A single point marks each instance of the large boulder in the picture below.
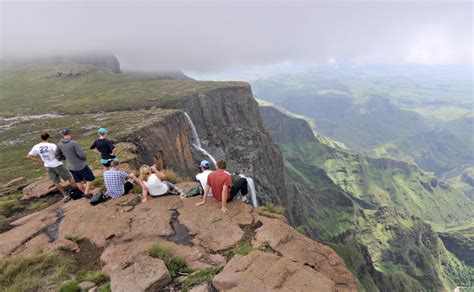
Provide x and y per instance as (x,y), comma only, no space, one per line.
(144,274)
(259,271)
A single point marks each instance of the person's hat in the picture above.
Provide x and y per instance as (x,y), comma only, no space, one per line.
(66,132)
(102,131)
(204,164)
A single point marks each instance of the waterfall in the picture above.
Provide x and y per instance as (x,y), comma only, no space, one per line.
(251,189)
(196,142)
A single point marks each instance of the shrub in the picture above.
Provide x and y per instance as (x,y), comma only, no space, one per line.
(172,177)
(175,265)
(199,277)
(105,288)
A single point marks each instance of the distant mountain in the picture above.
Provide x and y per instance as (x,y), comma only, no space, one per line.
(424,121)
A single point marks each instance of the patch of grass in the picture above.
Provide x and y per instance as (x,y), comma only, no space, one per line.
(243,247)
(175,265)
(99,182)
(97,277)
(172,177)
(271,211)
(105,288)
(70,286)
(199,277)
(72,238)
(21,273)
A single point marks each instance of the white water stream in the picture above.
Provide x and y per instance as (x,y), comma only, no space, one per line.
(196,142)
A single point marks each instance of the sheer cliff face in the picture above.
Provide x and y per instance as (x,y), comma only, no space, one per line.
(228,123)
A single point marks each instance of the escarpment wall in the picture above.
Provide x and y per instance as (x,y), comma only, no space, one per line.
(229,125)
(165,137)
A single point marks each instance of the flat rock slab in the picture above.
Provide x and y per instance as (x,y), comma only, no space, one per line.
(16,182)
(38,189)
(259,271)
(213,229)
(293,245)
(144,274)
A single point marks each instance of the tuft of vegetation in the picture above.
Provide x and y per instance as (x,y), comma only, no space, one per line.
(199,277)
(172,176)
(70,286)
(105,288)
(271,211)
(21,273)
(97,277)
(72,238)
(175,265)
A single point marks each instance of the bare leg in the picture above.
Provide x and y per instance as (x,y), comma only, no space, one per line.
(88,187)
(72,183)
(60,188)
(80,186)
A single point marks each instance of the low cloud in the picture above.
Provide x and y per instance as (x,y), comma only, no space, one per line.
(209,36)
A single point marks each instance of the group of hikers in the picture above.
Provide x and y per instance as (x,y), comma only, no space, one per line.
(218,183)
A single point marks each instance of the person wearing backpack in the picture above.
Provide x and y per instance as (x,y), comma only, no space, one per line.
(76,160)
(44,153)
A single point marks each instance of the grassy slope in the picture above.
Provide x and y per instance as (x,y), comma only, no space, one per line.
(404,250)
(386,182)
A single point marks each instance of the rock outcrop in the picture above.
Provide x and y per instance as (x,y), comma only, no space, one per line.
(282,258)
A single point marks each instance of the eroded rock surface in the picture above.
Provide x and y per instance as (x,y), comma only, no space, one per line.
(37,189)
(125,232)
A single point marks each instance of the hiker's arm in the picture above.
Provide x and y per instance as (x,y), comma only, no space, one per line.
(34,158)
(206,191)
(58,153)
(79,152)
(225,194)
(161,175)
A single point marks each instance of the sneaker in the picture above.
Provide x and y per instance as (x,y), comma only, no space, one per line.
(67,198)
(245,200)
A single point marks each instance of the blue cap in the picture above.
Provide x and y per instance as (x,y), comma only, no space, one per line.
(204,164)
(66,132)
(102,131)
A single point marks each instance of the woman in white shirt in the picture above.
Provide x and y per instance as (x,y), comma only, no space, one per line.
(152,182)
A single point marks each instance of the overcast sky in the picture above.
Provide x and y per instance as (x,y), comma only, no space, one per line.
(210,36)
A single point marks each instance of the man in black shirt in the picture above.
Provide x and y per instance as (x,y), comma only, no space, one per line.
(106,149)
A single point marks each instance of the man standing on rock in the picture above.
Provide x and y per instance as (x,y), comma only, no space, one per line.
(44,153)
(105,148)
(220,181)
(76,161)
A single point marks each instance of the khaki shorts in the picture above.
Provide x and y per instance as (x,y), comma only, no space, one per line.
(58,173)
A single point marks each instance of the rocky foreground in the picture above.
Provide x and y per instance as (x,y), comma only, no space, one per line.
(120,233)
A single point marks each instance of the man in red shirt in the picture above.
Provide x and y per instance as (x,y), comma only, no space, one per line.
(220,181)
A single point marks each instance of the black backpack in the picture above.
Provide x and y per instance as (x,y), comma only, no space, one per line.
(76,194)
(99,198)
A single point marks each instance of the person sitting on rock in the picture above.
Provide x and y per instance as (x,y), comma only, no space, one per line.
(76,161)
(204,166)
(105,148)
(220,181)
(44,153)
(117,182)
(153,182)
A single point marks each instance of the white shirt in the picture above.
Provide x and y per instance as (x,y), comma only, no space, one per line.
(155,186)
(46,150)
(202,177)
